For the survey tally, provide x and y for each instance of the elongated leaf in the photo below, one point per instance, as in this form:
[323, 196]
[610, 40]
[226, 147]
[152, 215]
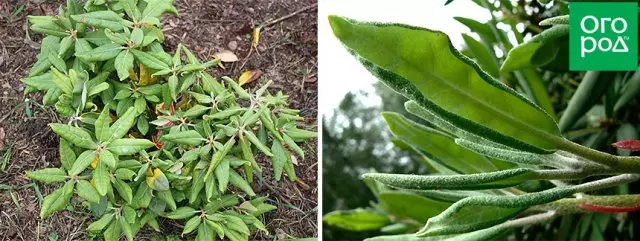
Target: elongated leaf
[155, 8]
[112, 233]
[356, 220]
[88, 192]
[479, 212]
[124, 64]
[57, 200]
[67, 156]
[279, 159]
[83, 161]
[538, 51]
[101, 179]
[126, 229]
[222, 174]
[205, 233]
[190, 137]
[593, 85]
[182, 213]
[503, 154]
[149, 60]
[438, 146]
[191, 225]
[101, 223]
[254, 139]
[48, 175]
[629, 91]
[489, 180]
[123, 124]
[409, 205]
[239, 182]
[103, 19]
[102, 53]
[75, 135]
[167, 197]
[61, 81]
[124, 190]
[482, 55]
[482, 29]
[107, 158]
[158, 181]
[102, 125]
[129, 146]
[453, 87]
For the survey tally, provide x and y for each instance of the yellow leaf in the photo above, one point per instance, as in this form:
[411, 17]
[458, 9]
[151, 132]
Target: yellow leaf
[92, 182]
[95, 161]
[256, 36]
[132, 75]
[249, 76]
[226, 56]
[145, 76]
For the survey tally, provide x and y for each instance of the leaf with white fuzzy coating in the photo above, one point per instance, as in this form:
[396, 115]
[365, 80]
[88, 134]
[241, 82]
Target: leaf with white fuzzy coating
[490, 180]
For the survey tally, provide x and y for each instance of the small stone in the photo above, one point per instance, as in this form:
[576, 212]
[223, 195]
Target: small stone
[233, 45]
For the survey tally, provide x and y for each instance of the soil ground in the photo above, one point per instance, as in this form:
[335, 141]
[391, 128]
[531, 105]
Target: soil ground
[286, 54]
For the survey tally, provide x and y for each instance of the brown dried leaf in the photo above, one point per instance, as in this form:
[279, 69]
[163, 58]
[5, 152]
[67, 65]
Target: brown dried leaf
[226, 56]
[249, 76]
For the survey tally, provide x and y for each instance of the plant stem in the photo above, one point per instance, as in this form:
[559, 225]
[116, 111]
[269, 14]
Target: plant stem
[607, 182]
[570, 205]
[624, 164]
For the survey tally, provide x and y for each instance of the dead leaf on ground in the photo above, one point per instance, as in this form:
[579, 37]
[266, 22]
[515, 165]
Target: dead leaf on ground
[280, 234]
[256, 36]
[226, 56]
[249, 76]
[1, 138]
[294, 159]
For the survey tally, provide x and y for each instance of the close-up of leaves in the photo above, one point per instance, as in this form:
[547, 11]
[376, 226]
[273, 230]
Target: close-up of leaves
[503, 141]
[147, 135]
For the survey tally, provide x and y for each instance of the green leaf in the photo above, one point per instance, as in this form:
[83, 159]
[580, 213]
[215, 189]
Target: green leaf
[123, 124]
[67, 156]
[48, 175]
[205, 233]
[292, 144]
[195, 111]
[102, 19]
[149, 60]
[62, 81]
[182, 213]
[222, 174]
[57, 200]
[629, 91]
[254, 139]
[279, 159]
[591, 88]
[563, 19]
[167, 197]
[137, 36]
[482, 29]
[101, 223]
[490, 180]
[131, 9]
[538, 51]
[479, 212]
[222, 202]
[49, 28]
[142, 197]
[224, 114]
[129, 146]
[107, 158]
[102, 53]
[124, 63]
[83, 161]
[126, 229]
[239, 182]
[408, 205]
[155, 8]
[453, 87]
[356, 220]
[113, 231]
[124, 190]
[190, 137]
[88, 192]
[483, 56]
[158, 181]
[101, 179]
[102, 125]
[191, 225]
[124, 174]
[438, 146]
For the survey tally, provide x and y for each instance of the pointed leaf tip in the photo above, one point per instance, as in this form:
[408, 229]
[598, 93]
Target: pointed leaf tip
[632, 145]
